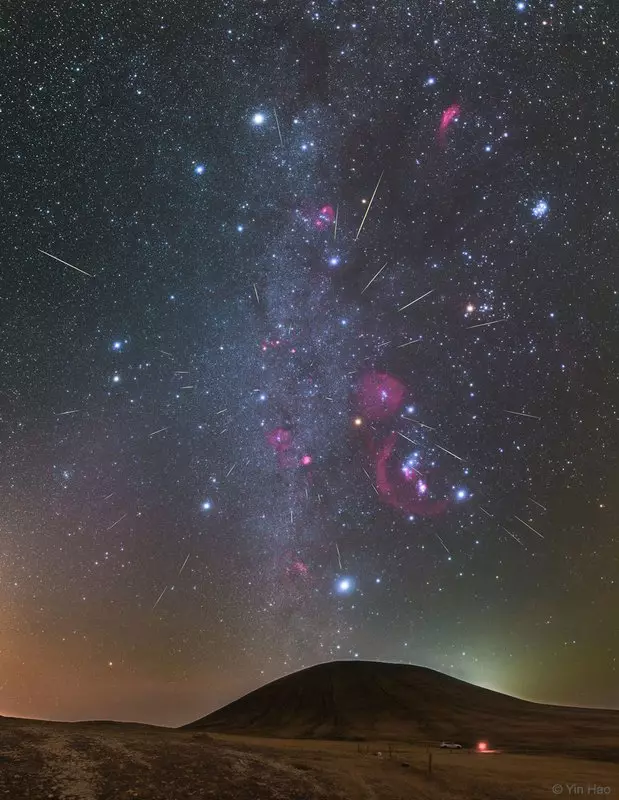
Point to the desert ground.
(114, 761)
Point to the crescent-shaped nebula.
(379, 396)
(397, 491)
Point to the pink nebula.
(379, 395)
(270, 343)
(410, 474)
(297, 567)
(325, 217)
(282, 442)
(280, 439)
(447, 117)
(396, 491)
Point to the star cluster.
(308, 336)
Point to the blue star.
(199, 169)
(207, 505)
(345, 586)
(258, 118)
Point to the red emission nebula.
(448, 116)
(379, 396)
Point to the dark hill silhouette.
(397, 702)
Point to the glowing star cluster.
(540, 209)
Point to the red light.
(306, 460)
(482, 746)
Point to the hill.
(359, 700)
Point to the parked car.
(451, 745)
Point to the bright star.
(117, 346)
(431, 81)
(239, 228)
(116, 378)
(207, 505)
(345, 585)
(199, 169)
(334, 261)
(461, 494)
(258, 119)
(521, 6)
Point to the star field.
(308, 349)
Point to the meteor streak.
(367, 211)
(77, 269)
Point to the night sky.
(330, 369)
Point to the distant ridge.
(360, 700)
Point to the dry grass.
(462, 774)
(61, 761)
